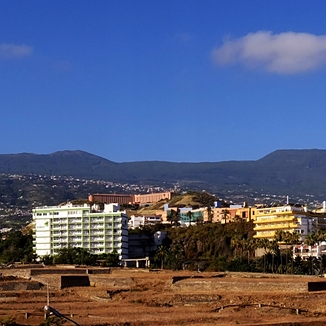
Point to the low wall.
(99, 271)
(20, 286)
(316, 286)
(70, 271)
(73, 280)
(43, 271)
(240, 286)
(112, 282)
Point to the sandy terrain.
(134, 297)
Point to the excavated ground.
(142, 297)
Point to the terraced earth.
(144, 297)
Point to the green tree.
(17, 247)
(190, 215)
(174, 217)
(225, 215)
(210, 214)
(161, 255)
(264, 244)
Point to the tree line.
(231, 247)
(207, 246)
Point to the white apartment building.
(138, 221)
(94, 229)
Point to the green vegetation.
(17, 247)
(230, 247)
(80, 256)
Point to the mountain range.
(289, 172)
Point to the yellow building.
(288, 218)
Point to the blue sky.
(181, 81)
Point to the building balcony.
(97, 233)
(75, 226)
(263, 236)
(75, 220)
(97, 220)
(96, 239)
(60, 227)
(263, 220)
(276, 227)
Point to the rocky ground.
(138, 297)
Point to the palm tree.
(293, 238)
(273, 246)
(237, 244)
(287, 239)
(319, 237)
(225, 214)
(210, 215)
(310, 241)
(249, 245)
(263, 243)
(161, 255)
(279, 238)
(189, 214)
(174, 217)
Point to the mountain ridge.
(297, 172)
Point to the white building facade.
(96, 230)
(138, 221)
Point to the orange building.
(130, 199)
(152, 198)
(111, 198)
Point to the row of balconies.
(276, 227)
(84, 227)
(66, 232)
(85, 239)
(275, 219)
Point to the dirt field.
(137, 298)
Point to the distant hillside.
(288, 172)
(69, 163)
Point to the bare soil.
(139, 297)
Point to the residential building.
(186, 215)
(288, 218)
(96, 229)
(305, 251)
(232, 213)
(136, 221)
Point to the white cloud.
(284, 53)
(13, 51)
